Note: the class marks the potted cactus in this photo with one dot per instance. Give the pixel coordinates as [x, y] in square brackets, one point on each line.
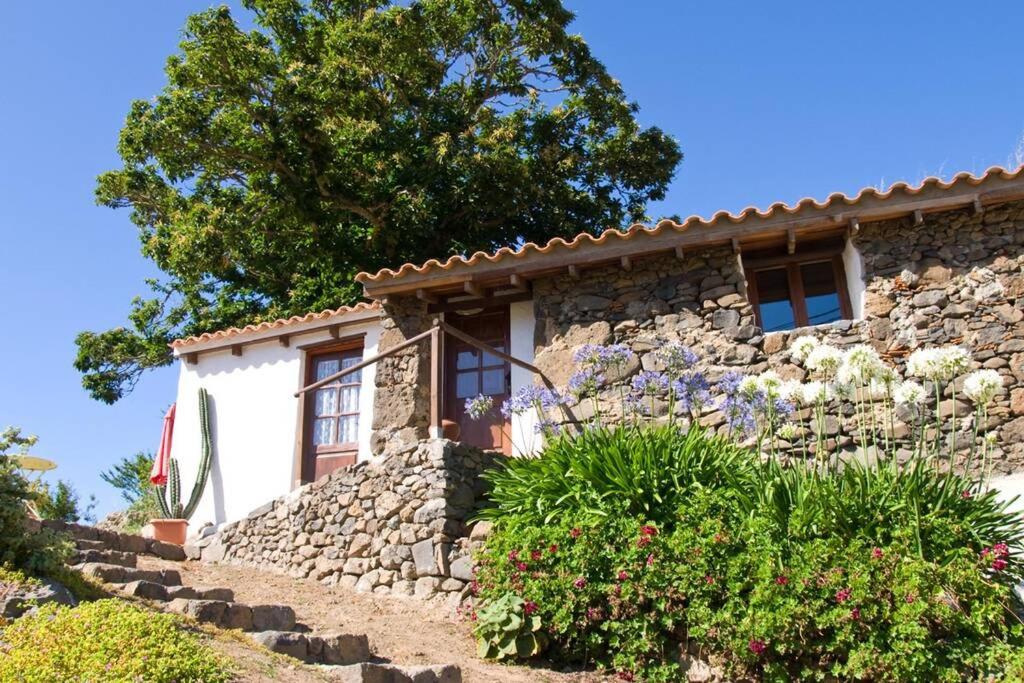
[173, 526]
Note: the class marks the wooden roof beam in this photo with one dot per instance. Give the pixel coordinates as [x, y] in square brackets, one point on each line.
[519, 283]
[473, 289]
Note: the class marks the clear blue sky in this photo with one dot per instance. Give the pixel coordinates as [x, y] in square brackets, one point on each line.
[771, 101]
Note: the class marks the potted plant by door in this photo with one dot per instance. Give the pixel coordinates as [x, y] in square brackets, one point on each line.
[173, 527]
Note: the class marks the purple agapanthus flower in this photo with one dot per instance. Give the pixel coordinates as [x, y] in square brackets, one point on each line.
[547, 426]
[692, 391]
[730, 383]
[739, 413]
[650, 383]
[479, 406]
[676, 358]
[530, 397]
[585, 382]
[602, 357]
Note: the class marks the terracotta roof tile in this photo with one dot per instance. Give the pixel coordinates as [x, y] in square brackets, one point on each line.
[558, 243]
[233, 332]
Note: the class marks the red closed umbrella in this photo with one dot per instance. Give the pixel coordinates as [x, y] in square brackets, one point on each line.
[158, 475]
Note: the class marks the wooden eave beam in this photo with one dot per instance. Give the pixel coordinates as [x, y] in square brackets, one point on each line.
[285, 340]
[236, 349]
[473, 289]
[723, 232]
[518, 282]
[791, 240]
[424, 295]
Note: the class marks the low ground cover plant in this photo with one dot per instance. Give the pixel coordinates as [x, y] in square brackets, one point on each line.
[106, 640]
[637, 543]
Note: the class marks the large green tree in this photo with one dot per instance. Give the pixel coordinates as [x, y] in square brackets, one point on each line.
[343, 135]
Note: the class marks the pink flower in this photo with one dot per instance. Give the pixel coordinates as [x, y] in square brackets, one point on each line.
[708, 579]
[650, 559]
[576, 532]
[877, 554]
[535, 555]
[625, 676]
[1001, 550]
[719, 538]
[855, 614]
[580, 582]
[513, 556]
[521, 566]
[985, 552]
[643, 541]
[757, 646]
[623, 575]
[553, 549]
[910, 598]
[529, 607]
[593, 614]
[966, 494]
[843, 594]
[782, 579]
[648, 530]
[999, 564]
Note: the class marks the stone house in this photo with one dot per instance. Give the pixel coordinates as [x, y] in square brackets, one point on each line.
[939, 263]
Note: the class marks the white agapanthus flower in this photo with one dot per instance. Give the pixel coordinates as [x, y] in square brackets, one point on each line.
[749, 385]
[861, 364]
[769, 382]
[940, 364]
[982, 386]
[791, 390]
[909, 393]
[801, 347]
[824, 359]
[816, 391]
[788, 431]
[878, 390]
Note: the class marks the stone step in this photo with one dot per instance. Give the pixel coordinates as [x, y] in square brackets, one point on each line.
[325, 648]
[83, 544]
[373, 672]
[104, 557]
[235, 615]
[156, 591]
[115, 573]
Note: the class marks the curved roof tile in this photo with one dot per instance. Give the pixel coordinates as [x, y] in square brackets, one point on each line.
[233, 332]
[806, 203]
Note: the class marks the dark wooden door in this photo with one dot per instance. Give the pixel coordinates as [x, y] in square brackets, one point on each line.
[332, 413]
[470, 372]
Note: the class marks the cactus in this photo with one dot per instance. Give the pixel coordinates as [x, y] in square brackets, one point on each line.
[169, 496]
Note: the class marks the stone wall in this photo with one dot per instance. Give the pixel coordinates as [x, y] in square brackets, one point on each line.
[397, 525]
[957, 279]
[401, 402]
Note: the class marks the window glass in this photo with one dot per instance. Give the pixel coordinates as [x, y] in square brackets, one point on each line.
[823, 305]
[466, 385]
[326, 368]
[465, 359]
[322, 435]
[348, 429]
[493, 382]
[774, 301]
[326, 402]
[489, 360]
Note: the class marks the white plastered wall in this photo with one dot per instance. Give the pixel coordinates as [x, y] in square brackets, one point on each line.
[521, 327]
[253, 418]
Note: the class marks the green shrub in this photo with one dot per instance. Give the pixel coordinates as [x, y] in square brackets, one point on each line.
[39, 551]
[647, 471]
[776, 573]
[107, 640]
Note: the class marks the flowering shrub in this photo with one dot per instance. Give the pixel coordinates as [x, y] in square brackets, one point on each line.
[630, 595]
[107, 640]
[653, 537]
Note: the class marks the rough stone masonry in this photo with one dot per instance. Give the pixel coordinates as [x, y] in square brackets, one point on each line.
[397, 525]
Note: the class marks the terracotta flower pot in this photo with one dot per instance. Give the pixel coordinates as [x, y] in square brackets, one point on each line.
[450, 430]
[170, 530]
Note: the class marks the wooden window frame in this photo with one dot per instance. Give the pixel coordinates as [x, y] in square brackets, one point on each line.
[792, 264]
[308, 451]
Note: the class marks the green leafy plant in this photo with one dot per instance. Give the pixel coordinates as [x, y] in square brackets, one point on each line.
[105, 641]
[611, 470]
[169, 497]
[35, 550]
[508, 627]
[61, 502]
[131, 476]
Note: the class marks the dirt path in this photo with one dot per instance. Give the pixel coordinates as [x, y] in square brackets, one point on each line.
[401, 630]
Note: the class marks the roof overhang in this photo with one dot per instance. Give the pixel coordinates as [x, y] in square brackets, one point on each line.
[508, 271]
[284, 331]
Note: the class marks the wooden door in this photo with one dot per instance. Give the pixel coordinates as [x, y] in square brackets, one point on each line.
[470, 372]
[332, 413]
